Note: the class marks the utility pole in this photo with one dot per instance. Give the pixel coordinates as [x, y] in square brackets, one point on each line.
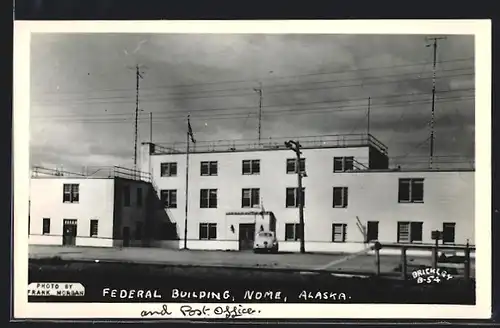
[434, 46]
[295, 146]
[259, 91]
[189, 137]
[368, 127]
[151, 127]
[138, 76]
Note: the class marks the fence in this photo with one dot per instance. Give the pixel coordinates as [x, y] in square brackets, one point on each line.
[93, 172]
[444, 263]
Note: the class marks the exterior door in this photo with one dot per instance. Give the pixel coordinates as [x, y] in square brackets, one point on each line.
[69, 232]
[246, 236]
[126, 236]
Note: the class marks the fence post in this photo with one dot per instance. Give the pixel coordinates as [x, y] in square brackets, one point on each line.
[377, 261]
[435, 254]
[403, 263]
[467, 262]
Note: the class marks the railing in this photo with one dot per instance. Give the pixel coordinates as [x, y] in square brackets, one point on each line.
[341, 140]
[93, 172]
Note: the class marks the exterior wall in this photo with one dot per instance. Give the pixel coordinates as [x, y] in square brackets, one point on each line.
[373, 196]
[129, 215]
[95, 202]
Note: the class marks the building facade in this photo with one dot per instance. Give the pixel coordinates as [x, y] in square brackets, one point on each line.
[108, 207]
[351, 196]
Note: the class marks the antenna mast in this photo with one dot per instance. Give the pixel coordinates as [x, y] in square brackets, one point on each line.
[259, 91]
[138, 76]
[434, 46]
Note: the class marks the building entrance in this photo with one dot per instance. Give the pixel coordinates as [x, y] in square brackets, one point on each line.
[69, 232]
[246, 236]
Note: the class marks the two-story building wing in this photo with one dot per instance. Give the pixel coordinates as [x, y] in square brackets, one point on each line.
[351, 196]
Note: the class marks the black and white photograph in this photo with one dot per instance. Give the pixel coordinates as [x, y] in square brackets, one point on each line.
[200, 171]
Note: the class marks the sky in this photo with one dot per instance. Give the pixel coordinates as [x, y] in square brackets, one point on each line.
[83, 92]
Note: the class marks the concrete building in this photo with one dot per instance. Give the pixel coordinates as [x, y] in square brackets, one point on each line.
[351, 195]
[105, 206]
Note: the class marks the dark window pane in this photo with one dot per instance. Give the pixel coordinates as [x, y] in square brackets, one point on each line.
[297, 231]
[337, 164]
[345, 194]
[302, 165]
[46, 226]
[255, 197]
[245, 198]
[213, 168]
[212, 231]
[255, 167]
[204, 168]
[290, 166]
[449, 233]
[349, 163]
[404, 190]
[372, 231]
[164, 169]
[173, 199]
[289, 231]
[203, 231]
[416, 231]
[246, 167]
[403, 232]
[290, 197]
[337, 197]
[417, 191]
[93, 228]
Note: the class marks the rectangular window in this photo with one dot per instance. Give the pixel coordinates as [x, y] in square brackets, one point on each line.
[372, 231]
[340, 197]
[94, 227]
[139, 197]
[411, 191]
[343, 164]
[292, 197]
[71, 193]
[291, 165]
[208, 198]
[126, 196]
[168, 169]
[250, 197]
[448, 233]
[251, 166]
[339, 231]
[208, 231]
[292, 231]
[409, 232]
[169, 198]
[138, 231]
[168, 231]
[46, 226]
[209, 168]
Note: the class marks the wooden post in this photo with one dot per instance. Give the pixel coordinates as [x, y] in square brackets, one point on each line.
[467, 262]
[435, 254]
[403, 263]
[377, 260]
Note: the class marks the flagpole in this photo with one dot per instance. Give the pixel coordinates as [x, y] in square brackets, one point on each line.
[187, 187]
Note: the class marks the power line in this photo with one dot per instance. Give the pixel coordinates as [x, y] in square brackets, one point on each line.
[163, 99]
[271, 78]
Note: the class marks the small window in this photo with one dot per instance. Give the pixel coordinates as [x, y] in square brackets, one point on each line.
[169, 198]
[208, 231]
[340, 197]
[339, 231]
[71, 193]
[251, 166]
[343, 164]
[168, 169]
[139, 197]
[209, 168]
[448, 233]
[372, 231]
[292, 231]
[409, 232]
[208, 198]
[411, 191]
[250, 197]
[126, 196]
[94, 227]
[138, 231]
[168, 231]
[292, 197]
[291, 165]
[46, 226]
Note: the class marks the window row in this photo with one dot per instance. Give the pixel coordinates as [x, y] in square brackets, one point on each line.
[93, 231]
[408, 232]
[71, 194]
[252, 166]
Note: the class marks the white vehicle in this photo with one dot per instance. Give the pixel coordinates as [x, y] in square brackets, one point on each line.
[265, 241]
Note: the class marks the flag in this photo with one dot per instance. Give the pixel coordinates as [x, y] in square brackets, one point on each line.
[190, 131]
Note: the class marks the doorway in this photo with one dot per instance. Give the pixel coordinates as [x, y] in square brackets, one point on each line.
[126, 236]
[246, 236]
[69, 232]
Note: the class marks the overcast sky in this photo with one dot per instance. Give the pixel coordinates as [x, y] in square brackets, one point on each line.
[83, 92]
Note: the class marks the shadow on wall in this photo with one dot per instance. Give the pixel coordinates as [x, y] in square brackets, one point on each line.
[148, 225]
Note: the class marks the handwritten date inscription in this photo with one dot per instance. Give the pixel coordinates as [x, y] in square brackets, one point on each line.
[227, 311]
